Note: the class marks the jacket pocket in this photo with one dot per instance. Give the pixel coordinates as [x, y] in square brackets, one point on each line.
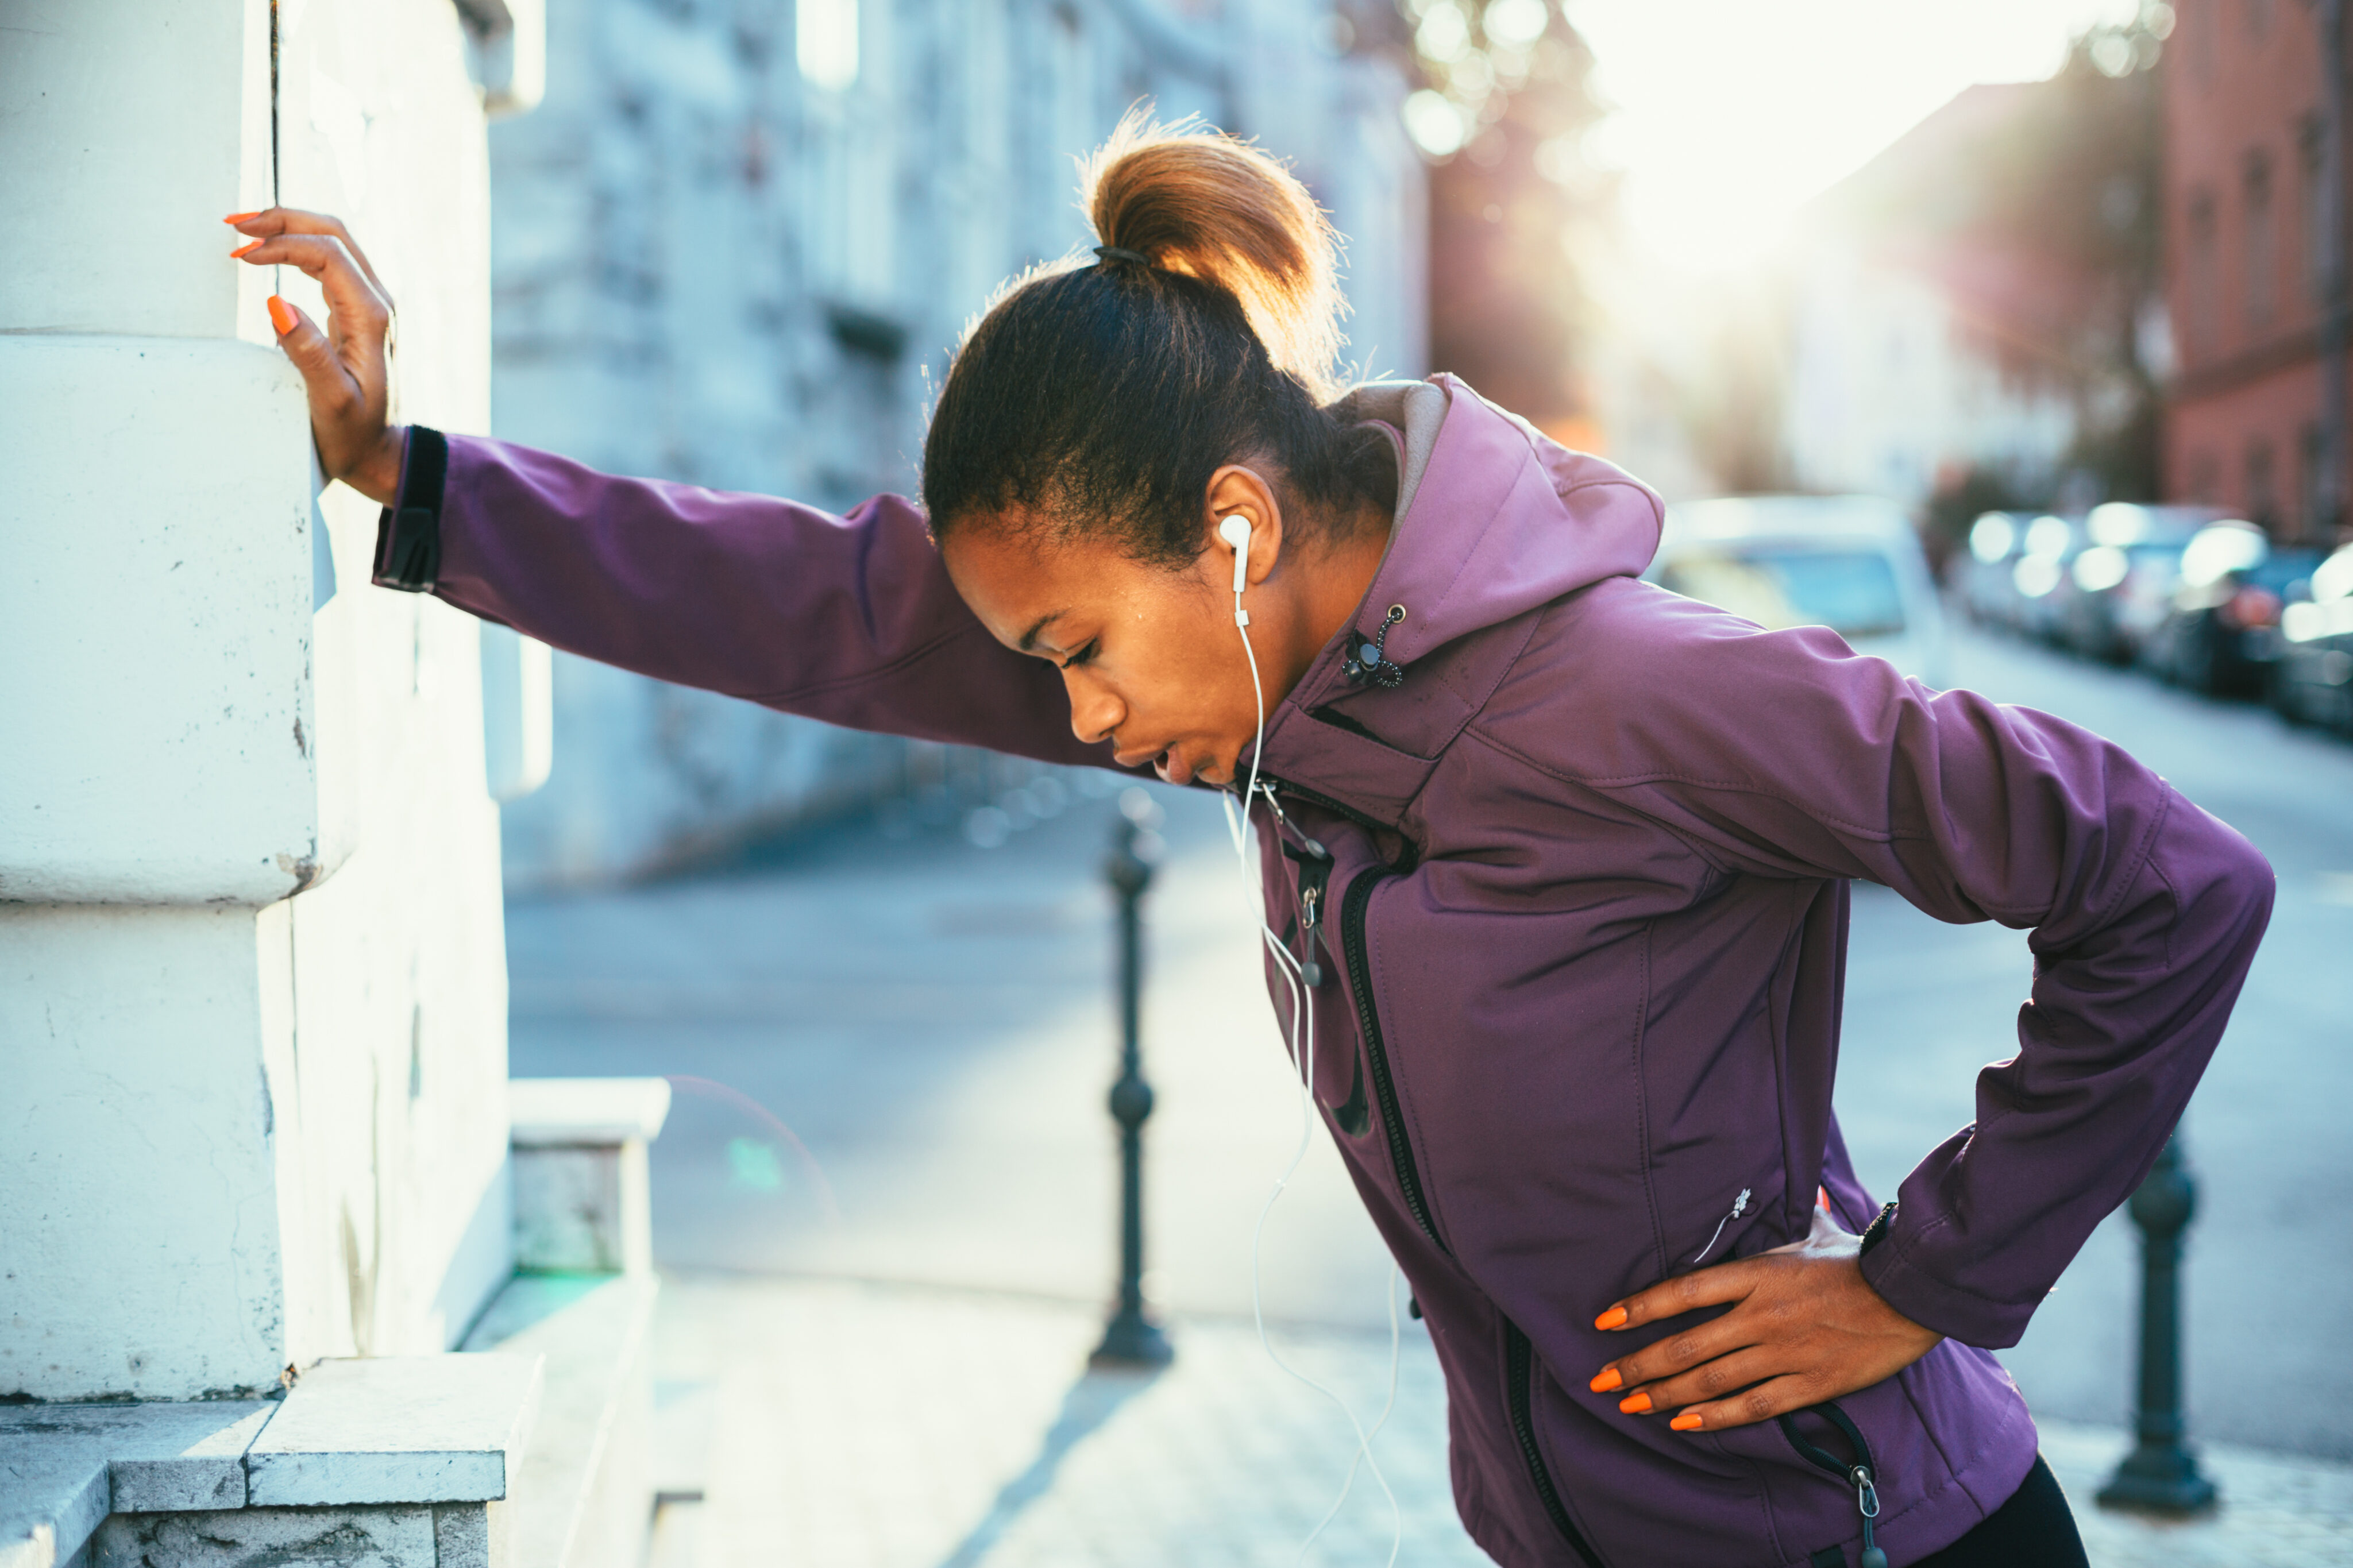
[1858, 1469]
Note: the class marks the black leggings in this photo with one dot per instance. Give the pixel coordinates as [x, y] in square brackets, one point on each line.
[2035, 1529]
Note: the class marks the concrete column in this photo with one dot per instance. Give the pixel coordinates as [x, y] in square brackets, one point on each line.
[252, 978]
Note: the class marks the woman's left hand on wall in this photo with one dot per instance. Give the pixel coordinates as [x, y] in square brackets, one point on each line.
[1804, 1327]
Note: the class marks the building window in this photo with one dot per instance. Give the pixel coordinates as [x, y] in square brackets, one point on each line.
[2322, 508]
[2205, 478]
[2263, 486]
[825, 42]
[2315, 205]
[2203, 282]
[2260, 252]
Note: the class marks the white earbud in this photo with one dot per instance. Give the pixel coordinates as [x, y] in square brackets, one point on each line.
[1235, 529]
[1236, 533]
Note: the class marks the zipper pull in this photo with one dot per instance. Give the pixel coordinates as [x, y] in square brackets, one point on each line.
[1314, 875]
[1866, 1503]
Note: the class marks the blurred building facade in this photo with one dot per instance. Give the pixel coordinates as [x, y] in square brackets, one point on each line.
[737, 242]
[1976, 308]
[2255, 197]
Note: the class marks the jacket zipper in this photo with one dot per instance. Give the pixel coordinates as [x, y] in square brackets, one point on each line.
[1519, 1353]
[1520, 1362]
[1860, 1475]
[1368, 1024]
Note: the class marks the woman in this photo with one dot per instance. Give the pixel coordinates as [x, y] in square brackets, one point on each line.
[1570, 853]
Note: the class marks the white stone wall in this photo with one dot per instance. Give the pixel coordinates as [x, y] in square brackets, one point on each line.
[711, 268]
[252, 979]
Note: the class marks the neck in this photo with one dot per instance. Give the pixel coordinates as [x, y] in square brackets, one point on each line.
[1332, 591]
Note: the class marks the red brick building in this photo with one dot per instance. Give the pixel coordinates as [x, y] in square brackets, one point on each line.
[2255, 279]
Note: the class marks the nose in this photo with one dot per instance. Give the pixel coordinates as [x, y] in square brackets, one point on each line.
[1096, 712]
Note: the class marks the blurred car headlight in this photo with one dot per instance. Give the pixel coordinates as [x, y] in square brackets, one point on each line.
[2220, 548]
[1991, 537]
[2048, 536]
[2100, 568]
[2036, 575]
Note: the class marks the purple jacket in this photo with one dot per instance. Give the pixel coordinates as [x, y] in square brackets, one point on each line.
[1584, 920]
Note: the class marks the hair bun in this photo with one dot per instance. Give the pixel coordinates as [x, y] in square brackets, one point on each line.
[1197, 201]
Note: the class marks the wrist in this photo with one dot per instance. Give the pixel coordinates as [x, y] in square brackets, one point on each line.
[377, 474]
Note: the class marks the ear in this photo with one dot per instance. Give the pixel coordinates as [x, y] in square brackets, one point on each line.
[1237, 493]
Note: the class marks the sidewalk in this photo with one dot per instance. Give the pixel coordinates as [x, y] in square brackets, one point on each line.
[807, 1421]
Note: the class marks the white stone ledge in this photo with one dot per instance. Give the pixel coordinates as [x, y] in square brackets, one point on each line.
[586, 1112]
[63, 1467]
[396, 1429]
[582, 1200]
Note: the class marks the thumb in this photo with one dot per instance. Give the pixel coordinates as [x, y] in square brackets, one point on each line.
[307, 346]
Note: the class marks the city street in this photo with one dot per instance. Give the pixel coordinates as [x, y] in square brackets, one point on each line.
[890, 1053]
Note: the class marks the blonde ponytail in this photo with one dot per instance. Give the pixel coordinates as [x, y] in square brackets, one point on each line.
[1202, 203]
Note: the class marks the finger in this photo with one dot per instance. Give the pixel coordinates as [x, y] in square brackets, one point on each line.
[331, 388]
[1777, 1397]
[1679, 1353]
[1688, 1292]
[271, 222]
[356, 308]
[1718, 1379]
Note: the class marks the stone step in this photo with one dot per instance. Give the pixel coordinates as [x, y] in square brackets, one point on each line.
[583, 1495]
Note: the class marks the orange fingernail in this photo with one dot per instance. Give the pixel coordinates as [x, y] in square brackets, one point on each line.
[1635, 1405]
[245, 249]
[1606, 1380]
[1687, 1422]
[281, 315]
[1614, 1318]
[241, 217]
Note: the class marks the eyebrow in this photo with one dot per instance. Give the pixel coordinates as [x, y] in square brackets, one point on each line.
[1029, 642]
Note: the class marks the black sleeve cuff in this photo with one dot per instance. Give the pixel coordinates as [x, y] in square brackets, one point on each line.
[408, 534]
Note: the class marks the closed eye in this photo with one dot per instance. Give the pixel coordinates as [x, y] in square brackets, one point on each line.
[1085, 656]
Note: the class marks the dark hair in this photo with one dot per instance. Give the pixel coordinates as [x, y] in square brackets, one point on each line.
[1095, 398]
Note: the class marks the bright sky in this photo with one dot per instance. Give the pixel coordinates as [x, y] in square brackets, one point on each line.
[1730, 113]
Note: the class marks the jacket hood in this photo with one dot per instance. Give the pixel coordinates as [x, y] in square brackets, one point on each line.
[1494, 519]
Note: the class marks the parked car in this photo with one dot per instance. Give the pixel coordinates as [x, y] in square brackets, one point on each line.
[2312, 682]
[2123, 579]
[1853, 564]
[2043, 578]
[2222, 633]
[1981, 579]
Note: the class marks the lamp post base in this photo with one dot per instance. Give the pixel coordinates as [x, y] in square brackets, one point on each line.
[1131, 1340]
[2158, 1478]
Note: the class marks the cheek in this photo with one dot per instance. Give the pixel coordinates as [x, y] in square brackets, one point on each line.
[1191, 681]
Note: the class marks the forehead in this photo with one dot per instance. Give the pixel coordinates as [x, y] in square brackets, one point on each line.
[1029, 583]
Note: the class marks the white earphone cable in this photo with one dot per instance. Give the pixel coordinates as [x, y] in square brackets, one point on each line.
[1302, 1061]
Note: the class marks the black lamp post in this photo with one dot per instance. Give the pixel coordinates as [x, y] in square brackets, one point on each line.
[2160, 1475]
[1131, 1339]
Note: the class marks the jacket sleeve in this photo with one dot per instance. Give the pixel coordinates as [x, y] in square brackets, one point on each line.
[848, 619]
[1784, 754]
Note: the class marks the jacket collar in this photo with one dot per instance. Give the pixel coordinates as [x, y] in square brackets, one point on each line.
[1487, 531]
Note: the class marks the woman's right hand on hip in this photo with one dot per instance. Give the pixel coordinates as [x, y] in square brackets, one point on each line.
[343, 367]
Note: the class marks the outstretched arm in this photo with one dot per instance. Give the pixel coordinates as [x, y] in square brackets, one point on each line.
[848, 619]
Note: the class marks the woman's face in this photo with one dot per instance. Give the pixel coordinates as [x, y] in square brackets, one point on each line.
[1150, 657]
